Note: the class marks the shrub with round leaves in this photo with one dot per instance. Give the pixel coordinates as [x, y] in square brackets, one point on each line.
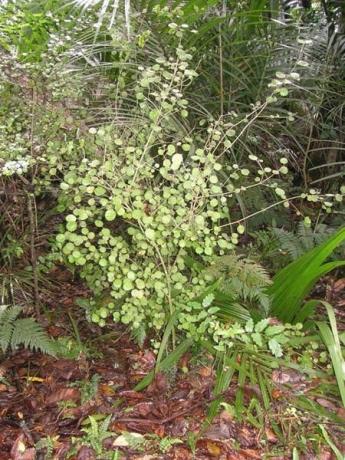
[143, 198]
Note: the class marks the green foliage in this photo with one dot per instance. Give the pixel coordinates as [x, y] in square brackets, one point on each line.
[146, 185]
[294, 282]
[154, 196]
[330, 337]
[166, 443]
[69, 348]
[16, 331]
[240, 279]
[26, 27]
[88, 388]
[47, 444]
[95, 434]
[304, 239]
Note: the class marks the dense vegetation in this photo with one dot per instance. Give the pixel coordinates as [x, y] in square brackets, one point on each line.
[185, 162]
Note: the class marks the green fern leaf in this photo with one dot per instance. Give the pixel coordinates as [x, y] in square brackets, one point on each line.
[7, 319]
[29, 333]
[240, 279]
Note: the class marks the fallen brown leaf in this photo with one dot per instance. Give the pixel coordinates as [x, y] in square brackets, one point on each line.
[213, 449]
[250, 453]
[106, 390]
[86, 453]
[326, 403]
[205, 371]
[64, 394]
[3, 387]
[131, 394]
[271, 437]
[143, 408]
[19, 450]
[284, 376]
[181, 453]
[341, 412]
[218, 431]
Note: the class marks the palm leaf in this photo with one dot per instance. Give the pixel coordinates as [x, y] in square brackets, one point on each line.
[106, 6]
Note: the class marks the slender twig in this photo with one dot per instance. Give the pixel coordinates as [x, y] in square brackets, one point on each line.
[221, 72]
[31, 202]
[33, 255]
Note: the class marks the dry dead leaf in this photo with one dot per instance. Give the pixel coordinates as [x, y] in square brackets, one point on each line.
[143, 408]
[250, 453]
[326, 403]
[106, 390]
[205, 371]
[213, 449]
[339, 286]
[86, 453]
[284, 376]
[271, 437]
[3, 387]
[64, 394]
[19, 450]
[181, 453]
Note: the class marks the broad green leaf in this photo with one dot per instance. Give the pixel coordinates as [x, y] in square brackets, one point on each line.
[293, 283]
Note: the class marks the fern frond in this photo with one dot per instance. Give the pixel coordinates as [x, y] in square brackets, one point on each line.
[16, 331]
[31, 334]
[289, 242]
[241, 279]
[222, 266]
[139, 335]
[305, 238]
[7, 320]
[9, 314]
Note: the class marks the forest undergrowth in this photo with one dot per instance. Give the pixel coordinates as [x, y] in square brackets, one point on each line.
[172, 230]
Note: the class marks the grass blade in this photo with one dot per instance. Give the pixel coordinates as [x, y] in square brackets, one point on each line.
[164, 343]
[225, 372]
[331, 339]
[331, 444]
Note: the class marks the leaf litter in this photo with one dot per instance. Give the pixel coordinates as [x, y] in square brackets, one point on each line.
[51, 399]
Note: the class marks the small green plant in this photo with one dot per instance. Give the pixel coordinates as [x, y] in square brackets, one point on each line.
[330, 336]
[167, 443]
[164, 444]
[88, 388]
[68, 347]
[47, 445]
[64, 405]
[16, 331]
[95, 434]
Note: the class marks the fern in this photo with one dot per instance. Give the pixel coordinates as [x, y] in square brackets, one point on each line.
[8, 317]
[240, 279]
[305, 239]
[47, 444]
[16, 331]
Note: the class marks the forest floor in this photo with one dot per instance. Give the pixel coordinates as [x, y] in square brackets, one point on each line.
[46, 402]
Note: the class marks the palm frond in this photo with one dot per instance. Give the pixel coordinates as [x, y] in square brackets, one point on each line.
[106, 6]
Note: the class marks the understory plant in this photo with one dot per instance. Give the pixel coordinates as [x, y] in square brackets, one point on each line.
[142, 198]
[141, 186]
[154, 155]
[251, 343]
[15, 331]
